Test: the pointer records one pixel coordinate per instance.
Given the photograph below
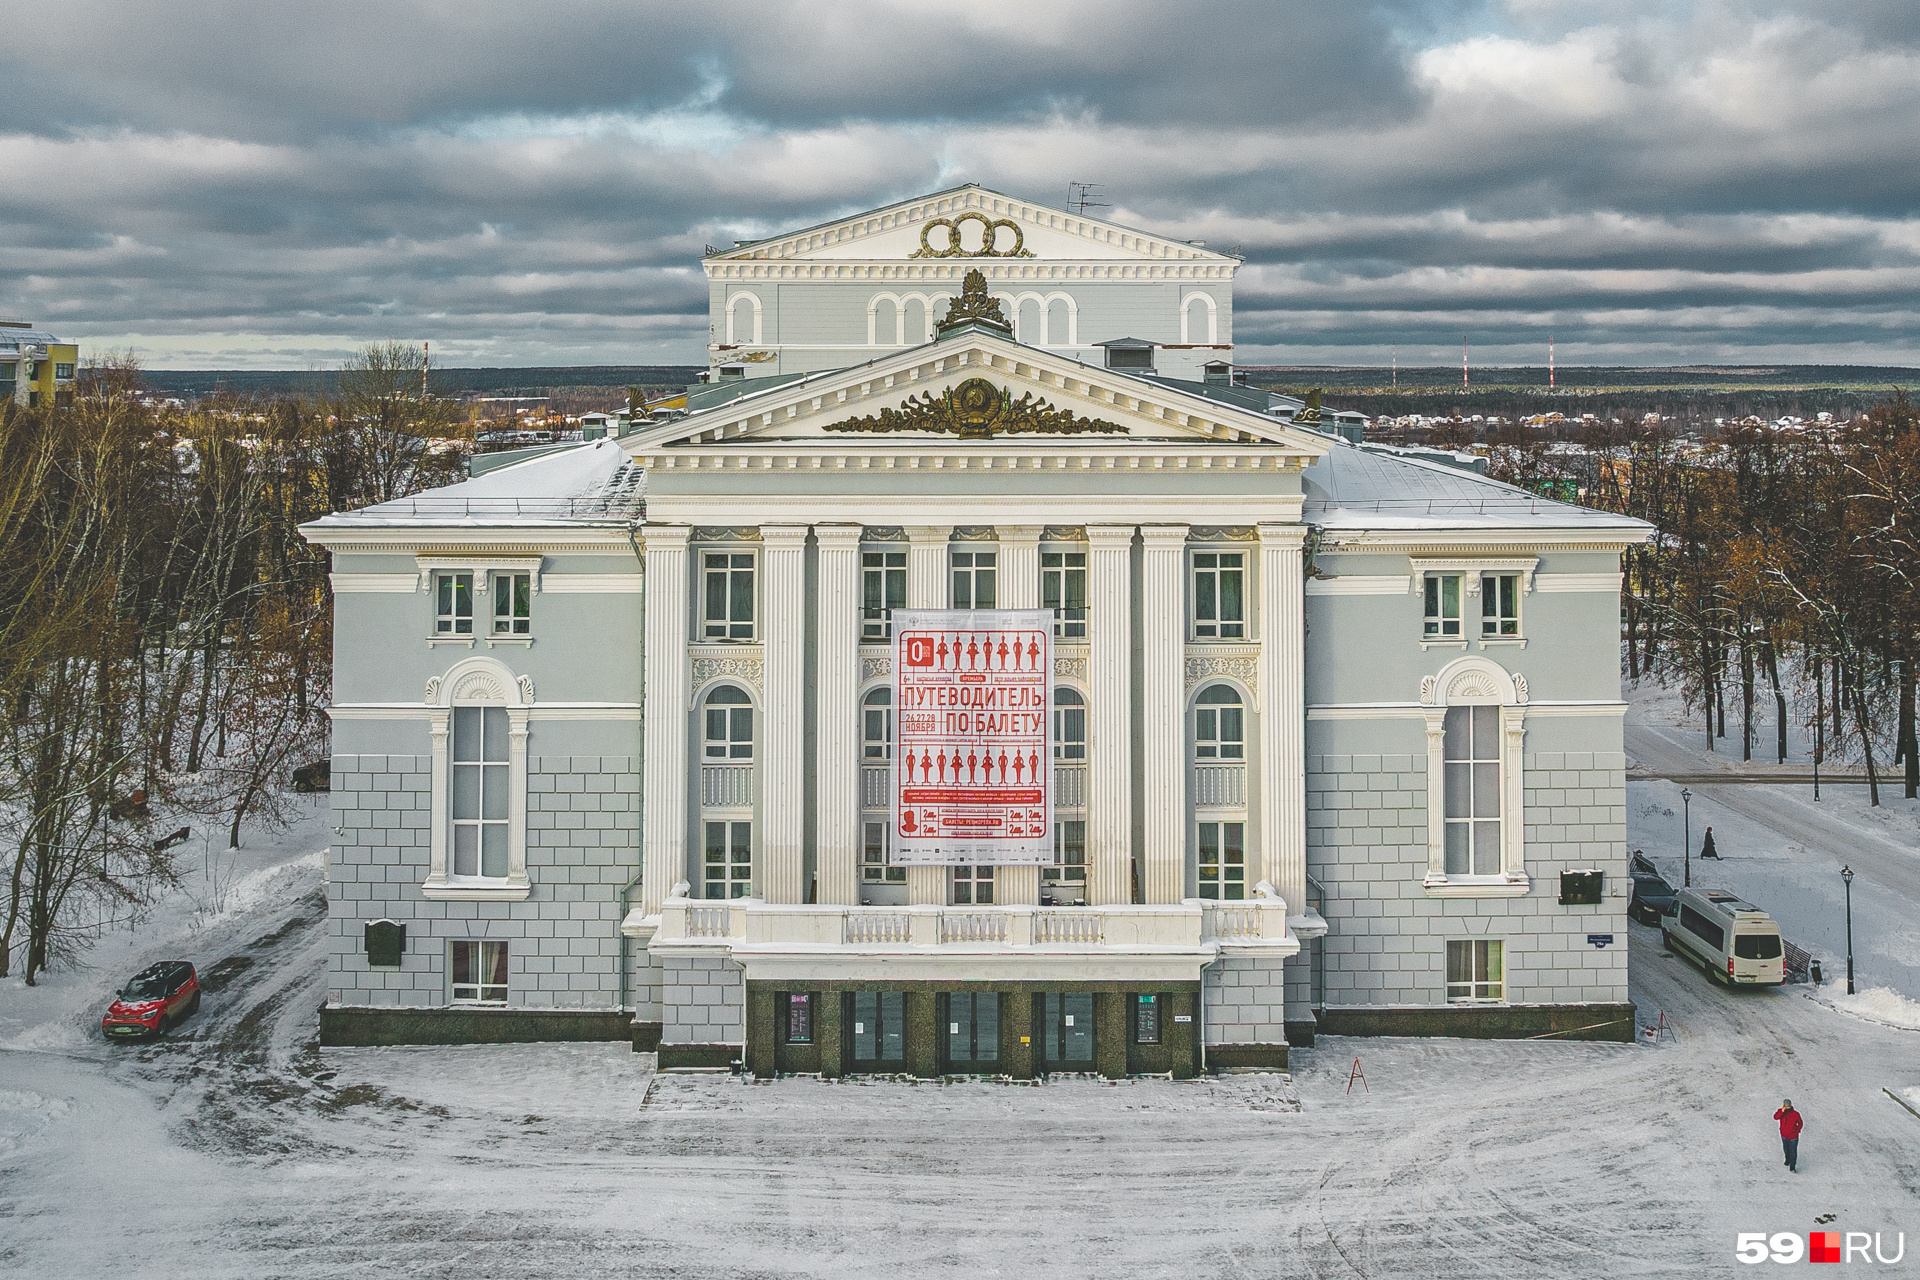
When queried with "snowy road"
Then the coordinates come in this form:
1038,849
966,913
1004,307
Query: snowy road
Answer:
237,1148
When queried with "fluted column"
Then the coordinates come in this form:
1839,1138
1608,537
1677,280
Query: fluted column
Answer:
1283,715
1019,589
836,748
1163,712
664,780
1109,715
927,588
779,873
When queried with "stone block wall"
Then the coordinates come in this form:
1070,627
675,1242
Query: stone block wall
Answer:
583,837
704,1000
1386,944
1245,1001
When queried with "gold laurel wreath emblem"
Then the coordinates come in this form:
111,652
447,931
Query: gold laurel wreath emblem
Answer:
990,231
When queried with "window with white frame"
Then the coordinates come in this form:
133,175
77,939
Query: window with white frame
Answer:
1069,726
728,858
1471,752
883,588
1219,595
1223,861
876,725
453,603
1499,605
1063,589
727,612
1443,607
1476,970
728,725
479,971
1069,870
1219,725
873,855
512,604
973,886
482,799
975,578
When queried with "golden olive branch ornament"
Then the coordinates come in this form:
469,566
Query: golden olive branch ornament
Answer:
976,409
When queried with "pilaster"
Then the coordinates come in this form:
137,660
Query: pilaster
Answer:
1283,780
1162,697
1109,728
927,588
1019,589
664,774
837,717
779,871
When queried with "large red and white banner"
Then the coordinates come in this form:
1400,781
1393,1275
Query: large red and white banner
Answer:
972,767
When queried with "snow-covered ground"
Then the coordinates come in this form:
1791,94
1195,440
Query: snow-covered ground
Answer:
237,1148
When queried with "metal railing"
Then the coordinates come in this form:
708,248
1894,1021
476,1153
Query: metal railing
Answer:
874,789
726,786
1069,786
1220,786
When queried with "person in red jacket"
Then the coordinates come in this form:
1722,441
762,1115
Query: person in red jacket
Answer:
1789,1133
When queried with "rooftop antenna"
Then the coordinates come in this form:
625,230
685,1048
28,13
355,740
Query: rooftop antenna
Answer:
1080,197
1463,362
1396,366
1549,361
426,361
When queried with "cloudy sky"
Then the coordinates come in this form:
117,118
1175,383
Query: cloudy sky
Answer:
226,183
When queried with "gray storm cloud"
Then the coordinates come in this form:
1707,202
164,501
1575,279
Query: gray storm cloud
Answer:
234,185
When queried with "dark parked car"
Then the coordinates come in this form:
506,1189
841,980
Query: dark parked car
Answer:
317,776
153,1000
1653,897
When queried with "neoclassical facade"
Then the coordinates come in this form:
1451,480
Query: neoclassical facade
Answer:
1335,733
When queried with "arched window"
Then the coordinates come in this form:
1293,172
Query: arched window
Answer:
729,724
1069,724
876,725
1219,725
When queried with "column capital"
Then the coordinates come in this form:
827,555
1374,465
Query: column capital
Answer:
1282,535
839,536
1159,536
667,537
1109,535
784,536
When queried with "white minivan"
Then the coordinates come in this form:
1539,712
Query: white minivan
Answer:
1732,939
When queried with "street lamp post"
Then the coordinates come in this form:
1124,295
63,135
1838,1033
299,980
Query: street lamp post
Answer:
1846,876
1686,840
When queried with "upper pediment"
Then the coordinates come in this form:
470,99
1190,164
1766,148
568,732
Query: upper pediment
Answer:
975,391
970,223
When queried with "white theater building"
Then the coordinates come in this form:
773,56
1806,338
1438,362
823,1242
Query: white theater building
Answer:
1335,732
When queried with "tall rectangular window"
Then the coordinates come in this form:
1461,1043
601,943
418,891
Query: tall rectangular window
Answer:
729,860
480,972
728,611
873,856
975,575
883,588
1223,861
1069,869
512,604
1063,589
1472,762
973,886
480,791
1219,596
1499,604
1476,970
1443,607
453,604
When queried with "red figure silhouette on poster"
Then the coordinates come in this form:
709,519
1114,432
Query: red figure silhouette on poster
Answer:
973,699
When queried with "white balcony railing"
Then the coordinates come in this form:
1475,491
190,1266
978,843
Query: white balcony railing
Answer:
726,786
1220,786
874,792
973,926
867,927
1069,786
1068,925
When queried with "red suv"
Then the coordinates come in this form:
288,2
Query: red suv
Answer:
156,998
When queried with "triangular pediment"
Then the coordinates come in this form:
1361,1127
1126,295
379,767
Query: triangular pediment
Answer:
969,223
970,391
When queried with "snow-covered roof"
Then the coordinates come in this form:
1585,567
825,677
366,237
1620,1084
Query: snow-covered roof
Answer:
589,484
1361,489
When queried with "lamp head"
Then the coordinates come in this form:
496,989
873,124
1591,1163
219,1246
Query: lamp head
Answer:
1685,794
1846,874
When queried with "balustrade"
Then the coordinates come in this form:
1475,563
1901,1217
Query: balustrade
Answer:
726,786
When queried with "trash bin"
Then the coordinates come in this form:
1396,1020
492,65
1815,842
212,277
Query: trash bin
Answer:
1813,971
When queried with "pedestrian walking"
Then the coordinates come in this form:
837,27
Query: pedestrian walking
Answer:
1789,1134
1706,846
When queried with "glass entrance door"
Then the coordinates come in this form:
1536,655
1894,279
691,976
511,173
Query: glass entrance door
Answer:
1066,1031
973,1032
879,1026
